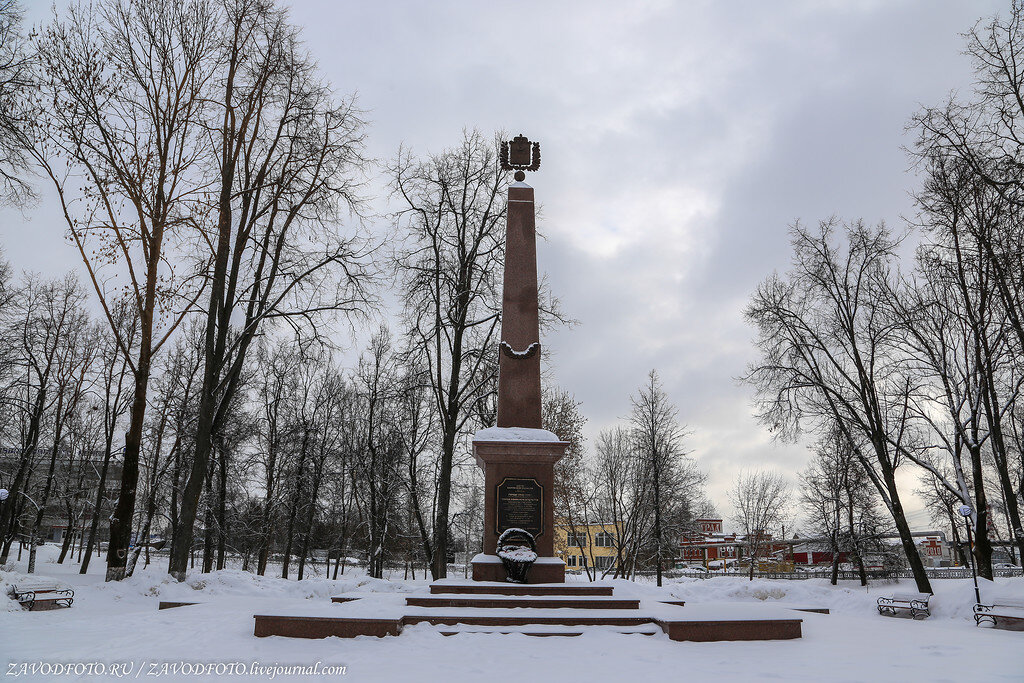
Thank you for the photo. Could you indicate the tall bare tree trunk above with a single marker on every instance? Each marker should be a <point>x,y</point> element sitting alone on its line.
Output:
<point>222,516</point>
<point>16,500</point>
<point>98,507</point>
<point>293,509</point>
<point>124,510</point>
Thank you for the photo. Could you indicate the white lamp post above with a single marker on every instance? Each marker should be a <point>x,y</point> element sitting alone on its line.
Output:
<point>965,512</point>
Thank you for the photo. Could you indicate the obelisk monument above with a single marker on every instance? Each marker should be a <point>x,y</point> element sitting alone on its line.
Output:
<point>517,456</point>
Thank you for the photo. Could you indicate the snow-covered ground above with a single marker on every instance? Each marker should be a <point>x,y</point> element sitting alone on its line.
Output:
<point>118,624</point>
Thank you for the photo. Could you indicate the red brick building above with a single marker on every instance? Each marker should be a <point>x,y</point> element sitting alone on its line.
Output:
<point>813,557</point>
<point>708,543</point>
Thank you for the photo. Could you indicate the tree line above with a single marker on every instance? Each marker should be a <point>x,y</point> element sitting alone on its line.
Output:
<point>640,487</point>
<point>215,187</point>
<point>903,359</point>
<point>197,393</point>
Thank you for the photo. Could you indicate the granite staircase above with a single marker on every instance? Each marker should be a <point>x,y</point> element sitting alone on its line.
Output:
<point>564,609</point>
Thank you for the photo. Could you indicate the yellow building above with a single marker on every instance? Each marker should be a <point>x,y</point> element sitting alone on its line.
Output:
<point>587,545</point>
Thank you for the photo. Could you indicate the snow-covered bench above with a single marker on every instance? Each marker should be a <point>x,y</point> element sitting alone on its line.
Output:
<point>916,603</point>
<point>1005,612</point>
<point>43,595</point>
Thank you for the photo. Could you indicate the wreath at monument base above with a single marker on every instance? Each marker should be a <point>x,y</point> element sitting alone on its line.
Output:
<point>518,551</point>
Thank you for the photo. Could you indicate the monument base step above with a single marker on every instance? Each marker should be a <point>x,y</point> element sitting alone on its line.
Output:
<point>677,628</point>
<point>453,607</point>
<point>346,598</point>
<point>746,629</point>
<point>291,626</point>
<point>551,631</point>
<point>544,570</point>
<point>461,586</point>
<point>526,617</point>
<point>505,601</point>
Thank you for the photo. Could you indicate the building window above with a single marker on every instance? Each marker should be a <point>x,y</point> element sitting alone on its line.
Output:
<point>576,540</point>
<point>570,561</point>
<point>604,540</point>
<point>604,562</point>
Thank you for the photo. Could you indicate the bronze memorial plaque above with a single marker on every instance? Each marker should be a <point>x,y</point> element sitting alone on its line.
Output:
<point>520,505</point>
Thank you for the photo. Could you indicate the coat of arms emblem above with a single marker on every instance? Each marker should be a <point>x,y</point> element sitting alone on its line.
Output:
<point>520,155</point>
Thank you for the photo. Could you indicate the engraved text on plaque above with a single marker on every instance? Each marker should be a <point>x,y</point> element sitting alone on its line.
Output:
<point>520,505</point>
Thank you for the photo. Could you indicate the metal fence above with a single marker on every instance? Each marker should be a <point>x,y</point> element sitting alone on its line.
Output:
<point>876,575</point>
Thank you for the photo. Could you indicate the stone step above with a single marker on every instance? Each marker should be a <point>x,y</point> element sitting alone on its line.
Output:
<point>499,588</point>
<point>300,626</point>
<point>551,630</point>
<point>541,601</point>
<point>526,617</point>
<point>709,623</point>
<point>346,598</point>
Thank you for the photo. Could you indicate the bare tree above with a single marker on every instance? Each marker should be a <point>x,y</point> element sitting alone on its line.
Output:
<point>333,407</point>
<point>761,499</point>
<point>378,459</point>
<point>301,414</point>
<point>288,161</point>
<point>948,336</point>
<point>573,494</point>
<point>115,397</point>
<point>120,115</point>
<point>16,83</point>
<point>942,507</point>
<point>981,137</point>
<point>167,435</point>
<point>839,502</point>
<point>62,302</point>
<point>47,317</point>
<point>83,435</point>
<point>623,497</point>
<point>828,356</point>
<point>276,381</point>
<point>469,493</point>
<point>453,215</point>
<point>417,431</point>
<point>672,481</point>
<point>960,338</point>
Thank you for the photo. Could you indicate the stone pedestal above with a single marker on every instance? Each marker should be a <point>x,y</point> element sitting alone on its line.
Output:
<point>519,473</point>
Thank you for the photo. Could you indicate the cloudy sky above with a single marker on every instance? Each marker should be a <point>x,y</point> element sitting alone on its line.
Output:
<point>680,140</point>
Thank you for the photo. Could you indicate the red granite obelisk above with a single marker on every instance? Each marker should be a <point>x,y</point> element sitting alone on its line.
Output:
<point>517,456</point>
<point>519,353</point>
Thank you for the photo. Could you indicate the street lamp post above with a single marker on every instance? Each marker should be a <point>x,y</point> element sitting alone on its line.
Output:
<point>965,512</point>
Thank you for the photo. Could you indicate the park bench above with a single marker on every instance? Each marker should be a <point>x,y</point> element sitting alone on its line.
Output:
<point>42,595</point>
<point>1008,613</point>
<point>916,603</point>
